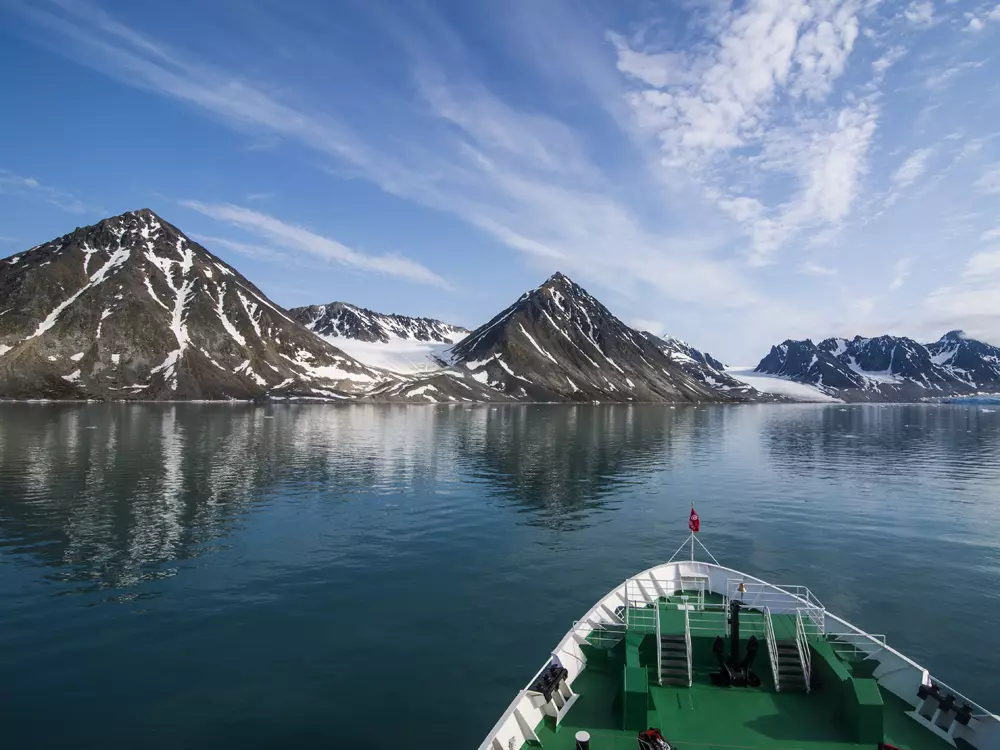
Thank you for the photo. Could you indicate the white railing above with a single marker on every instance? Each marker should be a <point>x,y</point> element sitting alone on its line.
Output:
<point>687,643</point>
<point>816,623</point>
<point>659,648</point>
<point>854,645</point>
<point>710,619</point>
<point>781,599</point>
<point>772,647</point>
<point>805,653</point>
<point>602,635</point>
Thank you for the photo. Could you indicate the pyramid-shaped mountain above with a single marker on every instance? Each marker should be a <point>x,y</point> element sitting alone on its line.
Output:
<point>558,343</point>
<point>131,308</point>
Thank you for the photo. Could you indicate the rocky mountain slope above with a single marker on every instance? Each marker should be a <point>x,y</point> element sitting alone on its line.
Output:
<point>342,320</point>
<point>131,308</point>
<point>394,342</point>
<point>700,365</point>
<point>888,368</point>
<point>558,343</point>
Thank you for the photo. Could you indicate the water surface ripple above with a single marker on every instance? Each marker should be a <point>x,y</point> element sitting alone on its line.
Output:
<point>216,576</point>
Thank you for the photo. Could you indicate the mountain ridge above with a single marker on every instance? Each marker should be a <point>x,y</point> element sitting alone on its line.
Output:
<point>888,368</point>
<point>598,358</point>
<point>342,319</point>
<point>130,308</point>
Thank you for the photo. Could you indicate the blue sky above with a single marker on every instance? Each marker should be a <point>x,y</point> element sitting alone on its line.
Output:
<point>730,173</point>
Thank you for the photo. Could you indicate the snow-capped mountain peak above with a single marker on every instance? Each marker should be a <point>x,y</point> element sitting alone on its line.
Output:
<point>557,342</point>
<point>132,308</point>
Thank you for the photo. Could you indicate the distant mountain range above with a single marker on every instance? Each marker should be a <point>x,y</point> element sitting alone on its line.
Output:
<point>132,309</point>
<point>888,368</point>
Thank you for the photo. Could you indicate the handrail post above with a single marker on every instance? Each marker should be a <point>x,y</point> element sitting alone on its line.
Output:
<point>659,647</point>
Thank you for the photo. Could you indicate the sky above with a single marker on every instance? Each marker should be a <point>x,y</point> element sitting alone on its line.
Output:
<point>730,173</point>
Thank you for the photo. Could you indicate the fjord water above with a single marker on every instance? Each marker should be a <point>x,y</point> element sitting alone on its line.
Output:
<point>209,576</point>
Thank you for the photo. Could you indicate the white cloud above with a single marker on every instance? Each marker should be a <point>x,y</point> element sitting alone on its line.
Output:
<point>912,168</point>
<point>990,234</point>
<point>654,327</point>
<point>941,80</point>
<point>293,237</point>
<point>520,177</point>
<point>13,184</point>
<point>886,61</point>
<point>975,24</point>
<point>758,119</point>
<point>829,163</point>
<point>900,272</point>
<point>810,268</point>
<point>982,264</point>
<point>259,252</point>
<point>754,99</point>
<point>701,104</point>
<point>972,307</point>
<point>920,13</point>
<point>989,181</point>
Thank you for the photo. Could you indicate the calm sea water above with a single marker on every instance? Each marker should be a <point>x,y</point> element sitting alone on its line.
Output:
<point>206,576</point>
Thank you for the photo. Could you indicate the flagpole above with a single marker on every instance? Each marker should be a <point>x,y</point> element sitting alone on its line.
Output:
<point>692,546</point>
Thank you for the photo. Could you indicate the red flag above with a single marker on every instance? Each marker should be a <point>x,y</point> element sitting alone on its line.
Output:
<point>694,523</point>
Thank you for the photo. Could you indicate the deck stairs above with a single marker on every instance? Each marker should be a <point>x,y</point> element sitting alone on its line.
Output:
<point>673,661</point>
<point>674,653</point>
<point>790,676</point>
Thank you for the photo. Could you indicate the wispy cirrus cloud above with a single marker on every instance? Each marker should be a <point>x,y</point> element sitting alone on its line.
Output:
<point>988,182</point>
<point>810,268</point>
<point>523,178</point>
<point>912,168</point>
<point>686,160</point>
<point>258,252</point>
<point>297,238</point>
<point>14,184</point>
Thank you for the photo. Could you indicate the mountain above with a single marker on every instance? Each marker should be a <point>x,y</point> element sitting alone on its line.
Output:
<point>131,308</point>
<point>558,343</point>
<point>394,342</point>
<point>700,365</point>
<point>888,368</point>
<point>342,320</point>
<point>969,360</point>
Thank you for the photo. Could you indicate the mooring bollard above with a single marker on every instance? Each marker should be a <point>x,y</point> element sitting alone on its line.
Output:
<point>582,740</point>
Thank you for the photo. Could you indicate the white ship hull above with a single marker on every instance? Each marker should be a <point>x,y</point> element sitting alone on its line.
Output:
<point>894,672</point>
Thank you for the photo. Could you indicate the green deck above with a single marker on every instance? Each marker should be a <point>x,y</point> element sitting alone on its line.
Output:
<point>707,717</point>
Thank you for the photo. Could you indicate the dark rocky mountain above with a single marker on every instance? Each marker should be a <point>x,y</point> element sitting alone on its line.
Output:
<point>969,360</point>
<point>700,365</point>
<point>131,308</point>
<point>342,320</point>
<point>681,351</point>
<point>889,368</point>
<point>558,343</point>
